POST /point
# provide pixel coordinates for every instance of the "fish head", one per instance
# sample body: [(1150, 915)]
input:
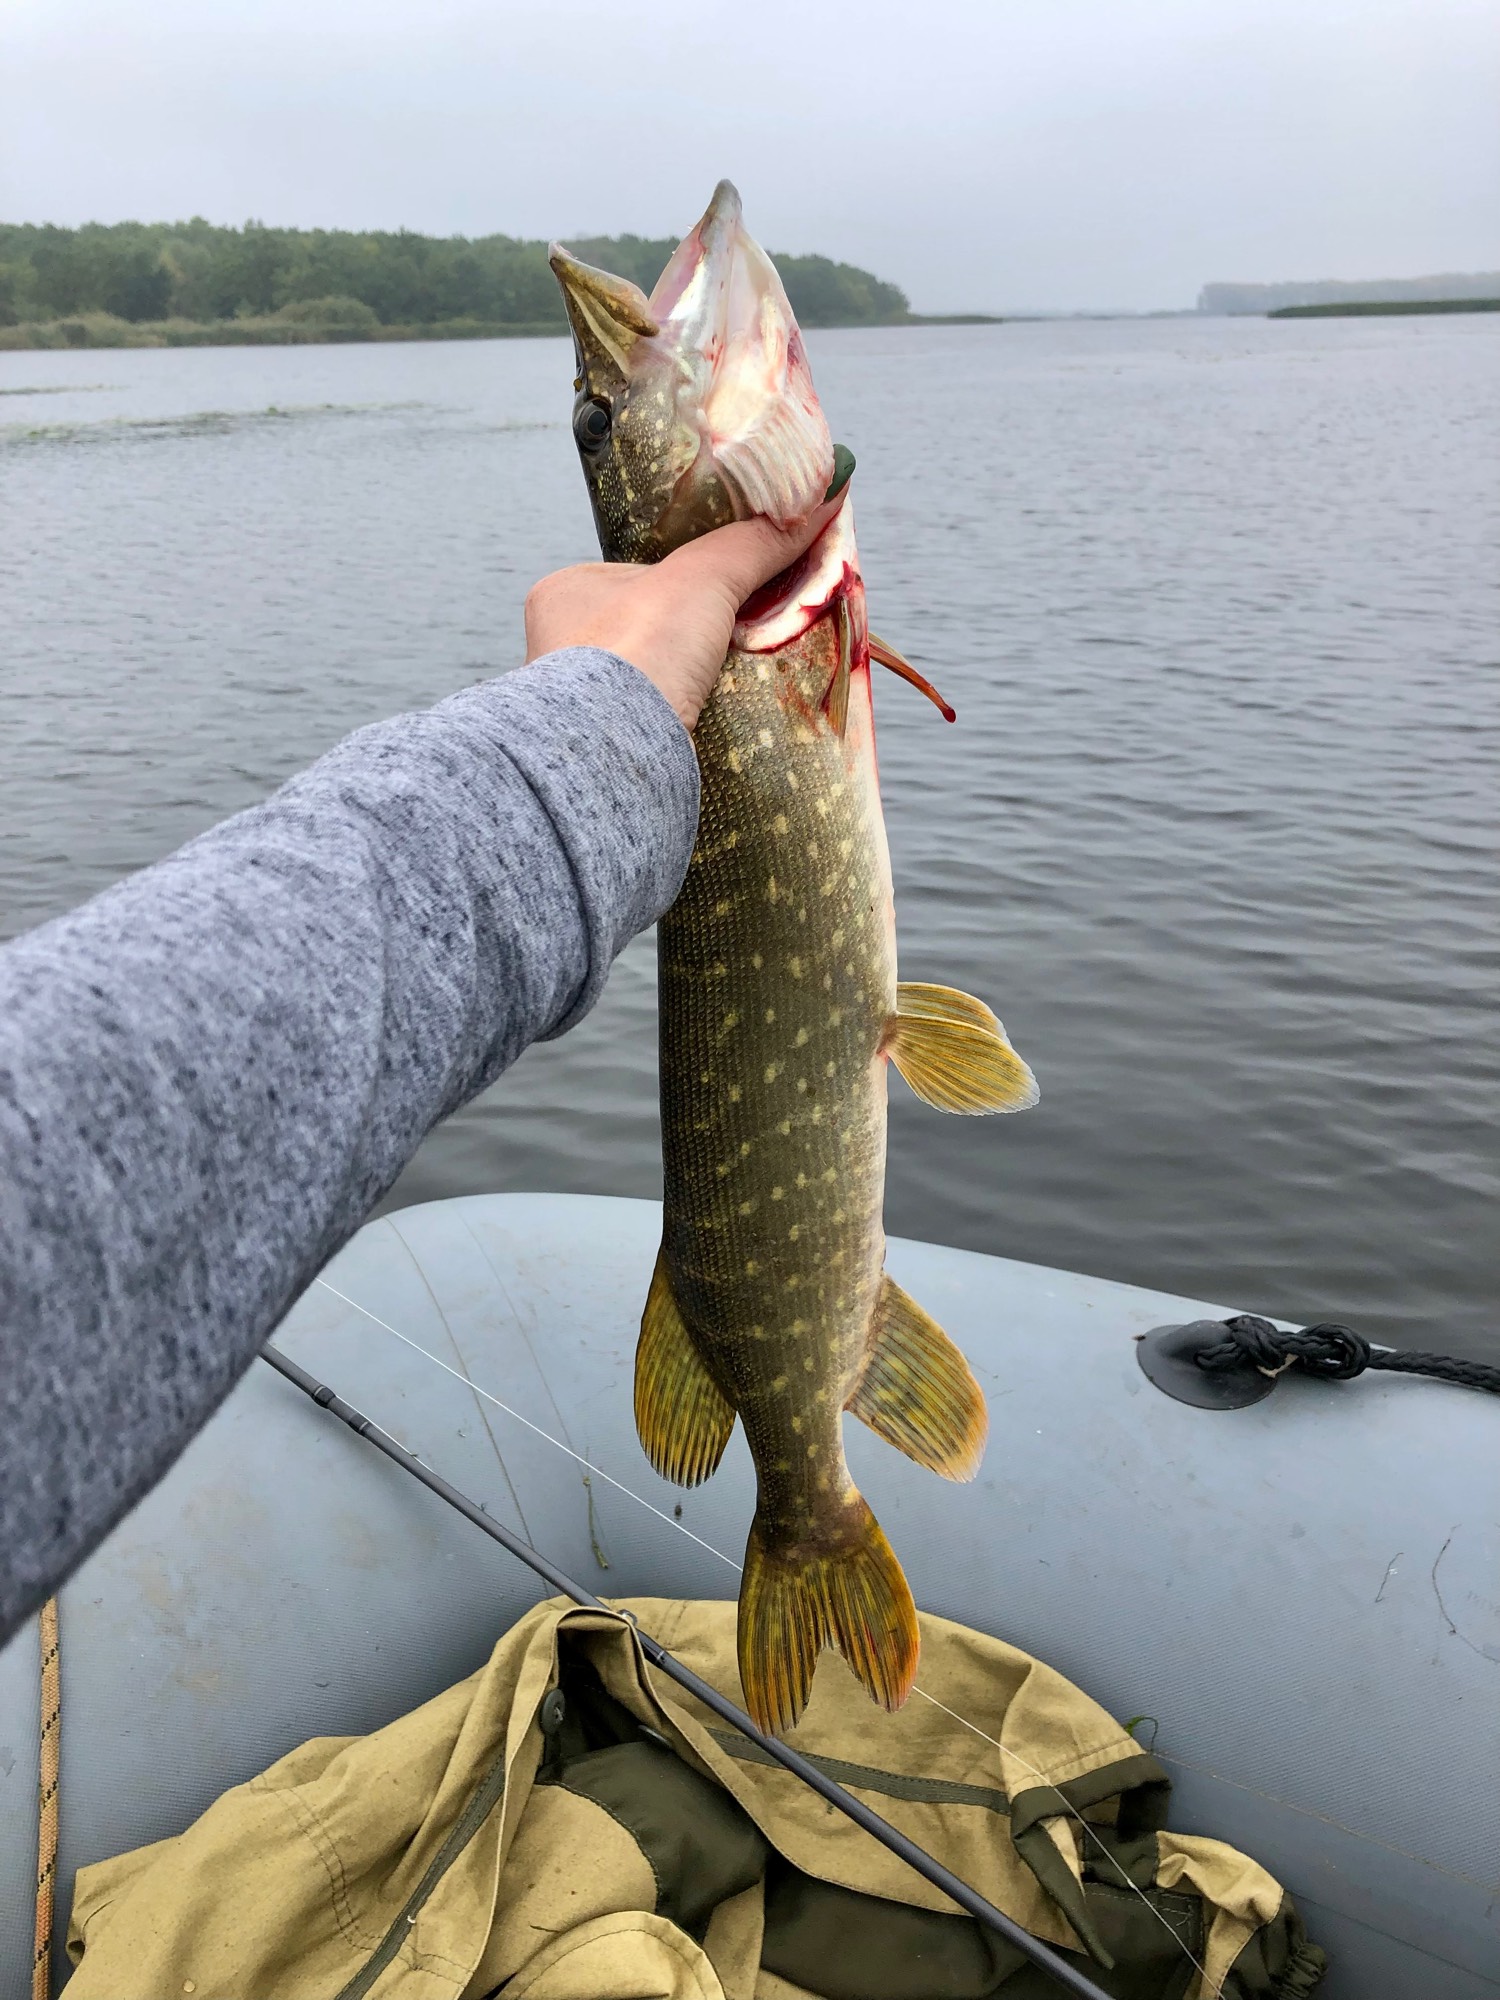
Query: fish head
[(696, 406)]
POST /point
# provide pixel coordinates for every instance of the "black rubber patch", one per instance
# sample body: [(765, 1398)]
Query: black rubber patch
[(1169, 1357)]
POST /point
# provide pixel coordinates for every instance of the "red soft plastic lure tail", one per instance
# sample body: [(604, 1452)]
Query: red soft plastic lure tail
[(899, 664)]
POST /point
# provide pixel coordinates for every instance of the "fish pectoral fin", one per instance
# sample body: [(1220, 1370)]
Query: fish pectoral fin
[(917, 1392), (838, 687), (920, 1001), (842, 1587), (683, 1417), (953, 1052)]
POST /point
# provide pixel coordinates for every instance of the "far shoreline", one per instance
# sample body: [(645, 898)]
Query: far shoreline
[(100, 332), (83, 332), (1383, 308)]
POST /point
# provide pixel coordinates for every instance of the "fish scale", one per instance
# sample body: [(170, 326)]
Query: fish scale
[(780, 1006), (777, 979)]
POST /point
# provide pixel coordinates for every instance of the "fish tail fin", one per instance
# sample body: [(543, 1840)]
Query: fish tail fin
[(848, 1592)]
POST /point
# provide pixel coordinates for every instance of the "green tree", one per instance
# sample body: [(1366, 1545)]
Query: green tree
[(245, 271), (136, 283), (199, 271), (65, 272)]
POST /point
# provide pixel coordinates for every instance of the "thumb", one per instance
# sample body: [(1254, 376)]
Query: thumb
[(739, 558)]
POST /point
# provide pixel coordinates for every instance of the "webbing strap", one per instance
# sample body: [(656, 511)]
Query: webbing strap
[(893, 1784)]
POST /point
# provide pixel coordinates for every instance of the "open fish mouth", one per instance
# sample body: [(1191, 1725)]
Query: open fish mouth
[(699, 400), (721, 300)]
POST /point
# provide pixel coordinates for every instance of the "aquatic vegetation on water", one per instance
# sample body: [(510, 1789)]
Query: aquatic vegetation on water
[(197, 423), (59, 389)]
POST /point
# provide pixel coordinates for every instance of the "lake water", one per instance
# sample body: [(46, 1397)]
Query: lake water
[(1215, 832)]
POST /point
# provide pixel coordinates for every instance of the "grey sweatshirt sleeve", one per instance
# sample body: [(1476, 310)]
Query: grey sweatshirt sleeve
[(211, 1073)]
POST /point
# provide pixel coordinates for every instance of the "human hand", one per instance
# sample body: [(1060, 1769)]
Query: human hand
[(671, 619)]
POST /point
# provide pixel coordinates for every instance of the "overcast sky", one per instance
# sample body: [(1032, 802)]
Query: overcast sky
[(984, 153)]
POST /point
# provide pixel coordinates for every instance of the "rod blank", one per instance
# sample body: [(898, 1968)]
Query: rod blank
[(979, 1907)]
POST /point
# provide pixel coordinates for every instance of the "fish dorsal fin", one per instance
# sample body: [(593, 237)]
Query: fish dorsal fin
[(953, 1052), (917, 1392), (683, 1417)]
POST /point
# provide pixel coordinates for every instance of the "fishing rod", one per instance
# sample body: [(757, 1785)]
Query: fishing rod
[(928, 1866)]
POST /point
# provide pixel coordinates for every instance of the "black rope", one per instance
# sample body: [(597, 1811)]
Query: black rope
[(1334, 1353)]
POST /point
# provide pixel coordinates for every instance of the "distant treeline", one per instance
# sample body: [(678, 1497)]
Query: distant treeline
[(1344, 292), (191, 281), (1362, 308)]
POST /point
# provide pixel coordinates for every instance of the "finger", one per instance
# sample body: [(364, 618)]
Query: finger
[(746, 554)]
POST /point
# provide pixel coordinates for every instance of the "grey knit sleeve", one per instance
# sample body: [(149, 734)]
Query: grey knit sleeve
[(211, 1073)]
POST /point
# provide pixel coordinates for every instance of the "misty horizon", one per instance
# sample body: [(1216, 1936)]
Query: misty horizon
[(1054, 158)]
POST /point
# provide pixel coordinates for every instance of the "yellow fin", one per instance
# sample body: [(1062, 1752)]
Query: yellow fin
[(916, 1390), (683, 1418), (944, 1003), (848, 1592), (838, 688), (953, 1052)]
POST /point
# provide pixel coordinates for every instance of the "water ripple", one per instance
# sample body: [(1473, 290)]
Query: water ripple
[(1216, 603)]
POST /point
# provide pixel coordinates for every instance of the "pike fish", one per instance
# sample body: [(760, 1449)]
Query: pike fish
[(780, 1006)]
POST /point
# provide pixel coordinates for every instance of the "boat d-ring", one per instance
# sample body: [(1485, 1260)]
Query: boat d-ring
[(1169, 1358)]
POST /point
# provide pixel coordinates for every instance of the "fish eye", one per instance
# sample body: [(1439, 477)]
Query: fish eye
[(591, 425)]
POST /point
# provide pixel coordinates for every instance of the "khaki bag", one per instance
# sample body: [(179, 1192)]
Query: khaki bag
[(563, 1825)]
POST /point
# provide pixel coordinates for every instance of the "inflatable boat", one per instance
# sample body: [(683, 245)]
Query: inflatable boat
[(1294, 1603)]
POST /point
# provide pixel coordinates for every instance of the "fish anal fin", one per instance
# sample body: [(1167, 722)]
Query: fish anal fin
[(683, 1417), (917, 1392), (953, 1052), (845, 1589)]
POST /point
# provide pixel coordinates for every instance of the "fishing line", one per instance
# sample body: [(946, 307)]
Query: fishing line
[(640, 1499), (901, 1844), (587, 1463), (1006, 1751)]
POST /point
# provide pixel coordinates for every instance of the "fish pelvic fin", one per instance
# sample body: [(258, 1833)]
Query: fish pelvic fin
[(683, 1417), (848, 1592), (953, 1052), (916, 1391)]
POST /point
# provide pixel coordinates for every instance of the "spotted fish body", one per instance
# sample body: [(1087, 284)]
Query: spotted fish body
[(780, 1005), (778, 976)]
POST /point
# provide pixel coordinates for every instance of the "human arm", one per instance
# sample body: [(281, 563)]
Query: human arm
[(210, 1074)]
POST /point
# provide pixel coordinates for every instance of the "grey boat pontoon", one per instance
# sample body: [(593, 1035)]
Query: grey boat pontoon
[(1300, 1599)]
